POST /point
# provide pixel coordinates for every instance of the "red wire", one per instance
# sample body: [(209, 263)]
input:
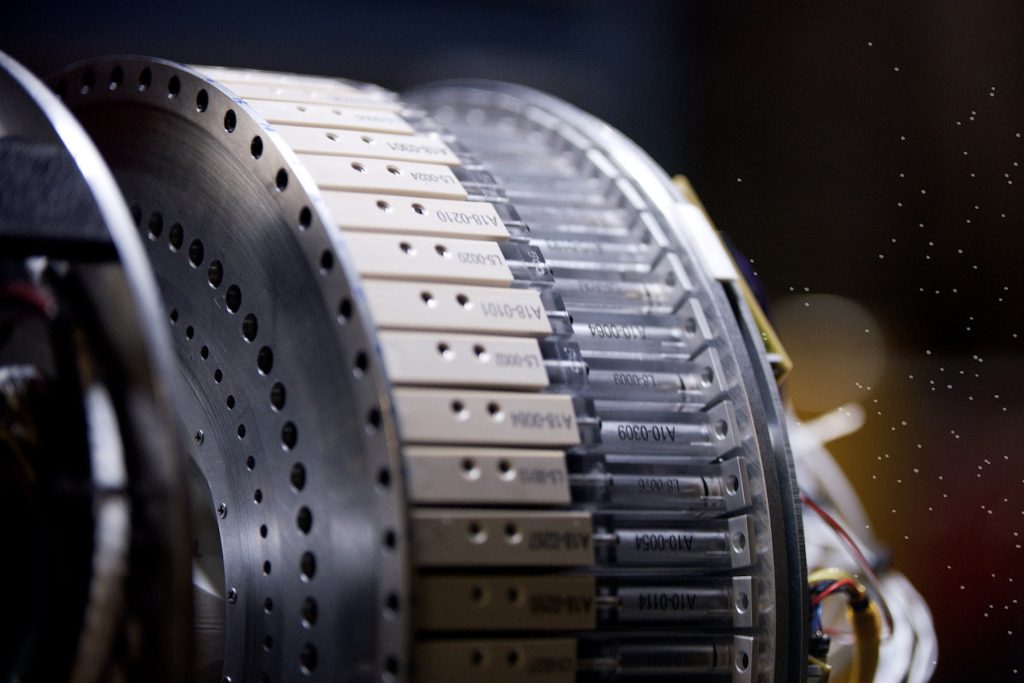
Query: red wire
[(841, 583), (855, 550), (27, 294)]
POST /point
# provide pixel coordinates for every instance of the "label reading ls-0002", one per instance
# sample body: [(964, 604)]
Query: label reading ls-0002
[(463, 360)]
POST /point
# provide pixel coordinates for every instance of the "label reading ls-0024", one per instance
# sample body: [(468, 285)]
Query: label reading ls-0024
[(379, 175)]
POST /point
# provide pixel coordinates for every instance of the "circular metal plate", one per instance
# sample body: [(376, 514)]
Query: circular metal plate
[(286, 403)]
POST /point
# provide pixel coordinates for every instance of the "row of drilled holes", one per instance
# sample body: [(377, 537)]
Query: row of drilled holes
[(250, 325), (460, 411), (361, 364), (439, 249), (429, 300), (289, 432), (479, 350)]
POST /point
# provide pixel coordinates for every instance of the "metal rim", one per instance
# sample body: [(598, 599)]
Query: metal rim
[(123, 370)]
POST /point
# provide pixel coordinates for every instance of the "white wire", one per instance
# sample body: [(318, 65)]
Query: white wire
[(818, 472), (911, 653)]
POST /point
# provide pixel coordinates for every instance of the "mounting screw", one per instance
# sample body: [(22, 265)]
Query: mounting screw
[(199, 437), (222, 510), (232, 596)]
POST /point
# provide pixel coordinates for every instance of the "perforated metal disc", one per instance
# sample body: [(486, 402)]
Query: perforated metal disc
[(290, 425)]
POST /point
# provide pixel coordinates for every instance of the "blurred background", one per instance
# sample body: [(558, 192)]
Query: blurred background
[(864, 156)]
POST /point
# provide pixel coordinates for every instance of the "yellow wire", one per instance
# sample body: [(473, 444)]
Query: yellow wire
[(866, 623), (825, 669)]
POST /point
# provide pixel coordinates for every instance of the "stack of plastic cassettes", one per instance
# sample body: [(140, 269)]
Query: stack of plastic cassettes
[(632, 549)]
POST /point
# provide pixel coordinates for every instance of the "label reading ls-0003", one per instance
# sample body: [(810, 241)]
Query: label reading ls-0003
[(490, 476)]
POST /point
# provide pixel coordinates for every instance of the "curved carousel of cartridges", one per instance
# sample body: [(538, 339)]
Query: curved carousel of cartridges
[(474, 396)]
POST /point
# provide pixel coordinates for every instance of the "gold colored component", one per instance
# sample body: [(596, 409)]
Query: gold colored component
[(866, 620), (822, 671), (777, 356)]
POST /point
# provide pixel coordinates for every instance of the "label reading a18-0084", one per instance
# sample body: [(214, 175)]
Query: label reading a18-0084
[(484, 417)]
